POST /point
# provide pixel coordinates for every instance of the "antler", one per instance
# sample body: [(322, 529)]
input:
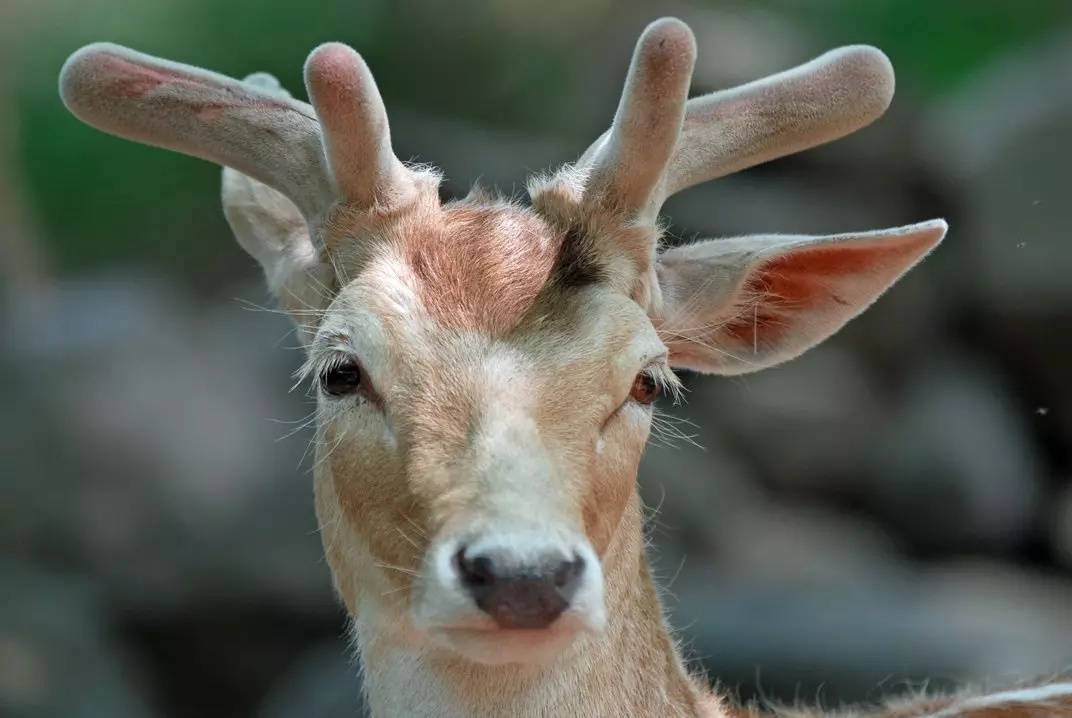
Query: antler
[(337, 148), (626, 164), (356, 134), (723, 132)]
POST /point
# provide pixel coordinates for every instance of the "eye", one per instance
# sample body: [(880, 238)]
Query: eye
[(645, 389), (341, 379)]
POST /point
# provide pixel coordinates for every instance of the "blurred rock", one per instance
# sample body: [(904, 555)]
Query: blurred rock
[(1025, 610), (805, 423), (705, 508), (1002, 141), (691, 493), (808, 547), (859, 643), (35, 506), (956, 469), (324, 683), (167, 417), (1038, 362), (57, 659)]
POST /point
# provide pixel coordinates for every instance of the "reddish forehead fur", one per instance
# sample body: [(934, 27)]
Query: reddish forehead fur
[(481, 264), (480, 268)]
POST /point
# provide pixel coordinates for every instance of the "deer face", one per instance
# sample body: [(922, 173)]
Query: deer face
[(484, 399), (485, 370)]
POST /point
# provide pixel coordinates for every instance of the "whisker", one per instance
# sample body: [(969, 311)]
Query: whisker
[(307, 422), (409, 539), (400, 569)]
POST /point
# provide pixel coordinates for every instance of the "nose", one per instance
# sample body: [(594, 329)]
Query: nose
[(528, 595)]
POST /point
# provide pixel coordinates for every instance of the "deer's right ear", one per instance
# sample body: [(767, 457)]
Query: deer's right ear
[(272, 230)]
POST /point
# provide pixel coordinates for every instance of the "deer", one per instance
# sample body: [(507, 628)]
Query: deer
[(485, 368)]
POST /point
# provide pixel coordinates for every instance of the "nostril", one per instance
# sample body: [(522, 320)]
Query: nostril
[(567, 574), (474, 571)]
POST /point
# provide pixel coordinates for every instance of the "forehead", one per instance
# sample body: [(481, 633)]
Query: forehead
[(472, 268), (487, 275)]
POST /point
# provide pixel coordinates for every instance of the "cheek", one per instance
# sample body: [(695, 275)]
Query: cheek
[(374, 502), (612, 484)]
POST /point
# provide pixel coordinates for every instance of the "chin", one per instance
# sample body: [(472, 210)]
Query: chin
[(500, 646)]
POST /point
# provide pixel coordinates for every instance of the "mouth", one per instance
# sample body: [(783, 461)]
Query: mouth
[(489, 644)]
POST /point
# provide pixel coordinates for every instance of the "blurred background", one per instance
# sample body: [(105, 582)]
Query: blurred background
[(893, 507)]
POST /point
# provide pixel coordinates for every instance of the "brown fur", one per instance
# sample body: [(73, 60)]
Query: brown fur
[(480, 269)]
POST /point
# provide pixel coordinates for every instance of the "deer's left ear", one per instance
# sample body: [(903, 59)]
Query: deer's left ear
[(733, 306)]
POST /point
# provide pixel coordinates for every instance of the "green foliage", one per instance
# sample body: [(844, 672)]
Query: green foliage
[(104, 200), (934, 44)]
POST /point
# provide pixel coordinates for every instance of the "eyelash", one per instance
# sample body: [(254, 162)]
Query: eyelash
[(336, 376)]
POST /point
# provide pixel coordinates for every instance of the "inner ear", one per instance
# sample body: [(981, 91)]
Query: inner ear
[(806, 280), (739, 305)]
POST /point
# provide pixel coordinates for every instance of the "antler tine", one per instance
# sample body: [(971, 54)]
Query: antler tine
[(252, 128), (834, 95), (625, 165), (357, 138)]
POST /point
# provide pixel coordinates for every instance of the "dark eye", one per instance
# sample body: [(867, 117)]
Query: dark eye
[(342, 379), (645, 389)]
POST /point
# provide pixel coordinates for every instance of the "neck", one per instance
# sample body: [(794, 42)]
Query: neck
[(631, 668)]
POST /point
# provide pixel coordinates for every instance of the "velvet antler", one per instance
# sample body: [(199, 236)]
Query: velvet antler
[(337, 148), (661, 143)]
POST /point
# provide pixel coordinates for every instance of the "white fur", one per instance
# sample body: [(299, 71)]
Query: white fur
[(1035, 696), (399, 683), (517, 515)]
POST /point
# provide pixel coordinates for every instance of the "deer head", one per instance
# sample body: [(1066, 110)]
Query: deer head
[(485, 369)]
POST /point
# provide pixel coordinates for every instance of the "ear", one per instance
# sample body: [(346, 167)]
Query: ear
[(271, 229), (734, 306)]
